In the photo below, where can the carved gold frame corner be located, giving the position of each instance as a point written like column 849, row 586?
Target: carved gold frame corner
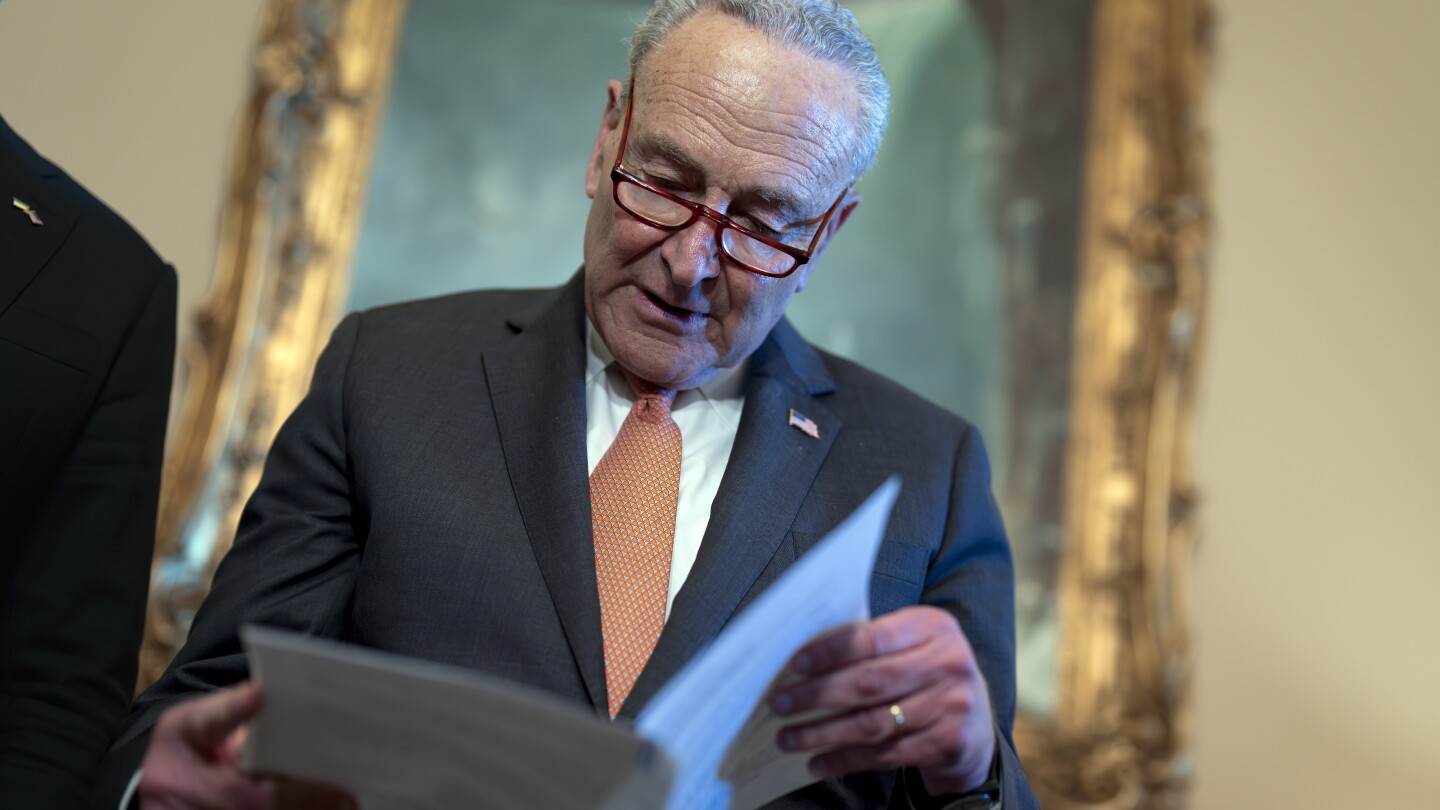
column 1121, row 730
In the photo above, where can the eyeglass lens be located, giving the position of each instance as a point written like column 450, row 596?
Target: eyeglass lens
column 662, row 212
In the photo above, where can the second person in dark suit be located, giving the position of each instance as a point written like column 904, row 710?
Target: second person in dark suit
column 87, row 347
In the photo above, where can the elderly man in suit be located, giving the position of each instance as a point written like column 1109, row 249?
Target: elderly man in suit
column 576, row 488
column 87, row 344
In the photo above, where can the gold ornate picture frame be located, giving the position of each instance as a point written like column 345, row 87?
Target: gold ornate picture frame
column 1120, row 732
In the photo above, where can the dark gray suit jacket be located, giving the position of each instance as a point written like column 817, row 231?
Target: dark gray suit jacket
column 430, row 497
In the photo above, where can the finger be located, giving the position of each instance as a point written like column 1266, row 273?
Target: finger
column 873, row 725
column 206, row 722
column 234, row 744
column 904, row 752
column 883, row 636
column 229, row 788
column 867, row 683
column 947, row 761
column 940, row 744
column 203, row 788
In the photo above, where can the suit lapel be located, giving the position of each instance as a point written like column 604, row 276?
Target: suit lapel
column 25, row 247
column 537, row 389
column 770, row 470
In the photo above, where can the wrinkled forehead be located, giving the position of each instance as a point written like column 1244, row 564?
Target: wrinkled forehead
column 736, row 98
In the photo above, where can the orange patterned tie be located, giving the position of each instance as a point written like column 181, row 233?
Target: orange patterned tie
column 634, row 492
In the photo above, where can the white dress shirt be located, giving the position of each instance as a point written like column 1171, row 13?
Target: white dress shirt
column 708, row 416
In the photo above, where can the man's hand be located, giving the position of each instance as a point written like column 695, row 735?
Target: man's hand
column 909, row 695
column 192, row 762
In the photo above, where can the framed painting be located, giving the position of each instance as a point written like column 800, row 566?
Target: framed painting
column 1030, row 254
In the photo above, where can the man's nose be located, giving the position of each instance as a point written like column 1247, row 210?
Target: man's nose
column 693, row 253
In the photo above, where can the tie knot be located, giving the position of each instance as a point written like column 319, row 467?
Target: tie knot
column 651, row 401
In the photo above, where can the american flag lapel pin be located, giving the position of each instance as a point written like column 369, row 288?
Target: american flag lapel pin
column 804, row 424
column 29, row 211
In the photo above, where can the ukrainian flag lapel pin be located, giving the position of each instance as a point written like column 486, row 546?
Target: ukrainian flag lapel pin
column 28, row 210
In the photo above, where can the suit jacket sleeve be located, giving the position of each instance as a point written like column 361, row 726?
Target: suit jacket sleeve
column 972, row 577
column 293, row 564
column 78, row 601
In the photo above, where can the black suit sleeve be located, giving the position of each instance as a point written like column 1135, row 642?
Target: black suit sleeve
column 293, row 564
column 77, row 605
column 973, row 578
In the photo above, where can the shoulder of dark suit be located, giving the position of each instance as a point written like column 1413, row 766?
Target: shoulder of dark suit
column 129, row 259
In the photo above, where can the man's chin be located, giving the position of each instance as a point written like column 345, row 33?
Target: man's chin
column 666, row 373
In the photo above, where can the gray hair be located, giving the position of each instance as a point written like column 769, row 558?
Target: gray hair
column 820, row 28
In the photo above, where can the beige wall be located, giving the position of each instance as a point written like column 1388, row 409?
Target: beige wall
column 136, row 100
column 1318, row 584
column 1319, row 440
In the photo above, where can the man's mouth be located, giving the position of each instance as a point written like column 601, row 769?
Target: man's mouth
column 678, row 313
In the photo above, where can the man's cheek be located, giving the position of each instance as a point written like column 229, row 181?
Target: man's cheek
column 631, row 235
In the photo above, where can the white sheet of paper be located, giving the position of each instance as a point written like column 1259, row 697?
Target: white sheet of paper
column 717, row 697
column 403, row 733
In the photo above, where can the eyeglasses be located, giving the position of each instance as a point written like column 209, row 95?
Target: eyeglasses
column 661, row 209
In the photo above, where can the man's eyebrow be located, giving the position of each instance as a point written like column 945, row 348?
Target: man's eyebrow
column 783, row 202
column 651, row 147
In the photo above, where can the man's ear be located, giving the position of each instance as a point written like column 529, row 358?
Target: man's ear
column 598, row 166
column 847, row 207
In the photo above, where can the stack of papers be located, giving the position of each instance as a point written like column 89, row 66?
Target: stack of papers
column 402, row 733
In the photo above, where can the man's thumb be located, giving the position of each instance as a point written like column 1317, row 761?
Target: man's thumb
column 207, row 721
